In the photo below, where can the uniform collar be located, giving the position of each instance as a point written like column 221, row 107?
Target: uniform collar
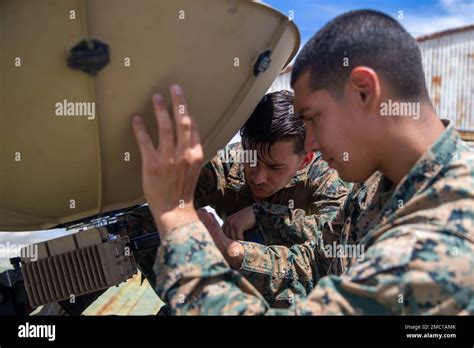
column 302, row 174
column 425, row 169
column 419, row 177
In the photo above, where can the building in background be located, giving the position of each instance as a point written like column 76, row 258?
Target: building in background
column 448, row 63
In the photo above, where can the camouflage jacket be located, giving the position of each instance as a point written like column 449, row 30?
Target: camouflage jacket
column 315, row 193
column 417, row 238
column 279, row 272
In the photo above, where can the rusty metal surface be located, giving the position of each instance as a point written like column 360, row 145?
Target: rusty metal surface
column 130, row 298
column 448, row 62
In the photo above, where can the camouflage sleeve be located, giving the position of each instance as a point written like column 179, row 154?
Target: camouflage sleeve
column 208, row 184
column 190, row 270
column 278, row 224
column 213, row 179
column 410, row 270
column 328, row 196
column 140, row 221
column 279, row 272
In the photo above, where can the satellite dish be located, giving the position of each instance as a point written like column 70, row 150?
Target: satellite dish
column 73, row 73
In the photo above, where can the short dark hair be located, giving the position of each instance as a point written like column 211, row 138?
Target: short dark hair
column 367, row 38
column 272, row 120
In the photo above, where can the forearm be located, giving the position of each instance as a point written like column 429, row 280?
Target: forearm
column 232, row 250
column 280, row 225
column 280, row 273
column 194, row 278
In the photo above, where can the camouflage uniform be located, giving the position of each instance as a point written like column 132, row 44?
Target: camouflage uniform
column 419, row 252
column 314, row 191
column 279, row 272
column 308, row 202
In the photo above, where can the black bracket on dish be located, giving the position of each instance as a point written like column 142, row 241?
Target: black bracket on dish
column 89, row 56
column 263, row 62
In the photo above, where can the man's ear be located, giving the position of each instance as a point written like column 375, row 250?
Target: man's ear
column 366, row 84
column 306, row 160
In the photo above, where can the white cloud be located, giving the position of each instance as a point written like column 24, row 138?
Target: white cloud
column 459, row 7
column 454, row 14
column 418, row 25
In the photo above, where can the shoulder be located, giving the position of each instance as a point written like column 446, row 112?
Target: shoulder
column 224, row 166
column 428, row 268
column 319, row 175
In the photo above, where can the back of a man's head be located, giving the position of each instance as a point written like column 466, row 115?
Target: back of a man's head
column 274, row 120
column 363, row 38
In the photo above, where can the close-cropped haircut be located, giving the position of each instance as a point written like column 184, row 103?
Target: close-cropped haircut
column 363, row 38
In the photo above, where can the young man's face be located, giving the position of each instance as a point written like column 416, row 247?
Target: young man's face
column 342, row 129
column 274, row 172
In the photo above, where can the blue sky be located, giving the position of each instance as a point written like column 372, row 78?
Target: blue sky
column 419, row 17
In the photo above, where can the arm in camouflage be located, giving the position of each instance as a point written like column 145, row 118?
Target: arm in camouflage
column 279, row 272
column 208, row 184
column 140, row 220
column 411, row 270
column 418, row 256
column 213, row 178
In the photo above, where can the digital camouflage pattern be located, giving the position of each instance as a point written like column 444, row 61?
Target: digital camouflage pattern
column 291, row 216
column 315, row 193
column 419, row 252
column 280, row 272
column 315, row 190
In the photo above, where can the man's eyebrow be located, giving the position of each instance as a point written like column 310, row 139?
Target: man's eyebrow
column 264, row 162
column 271, row 164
